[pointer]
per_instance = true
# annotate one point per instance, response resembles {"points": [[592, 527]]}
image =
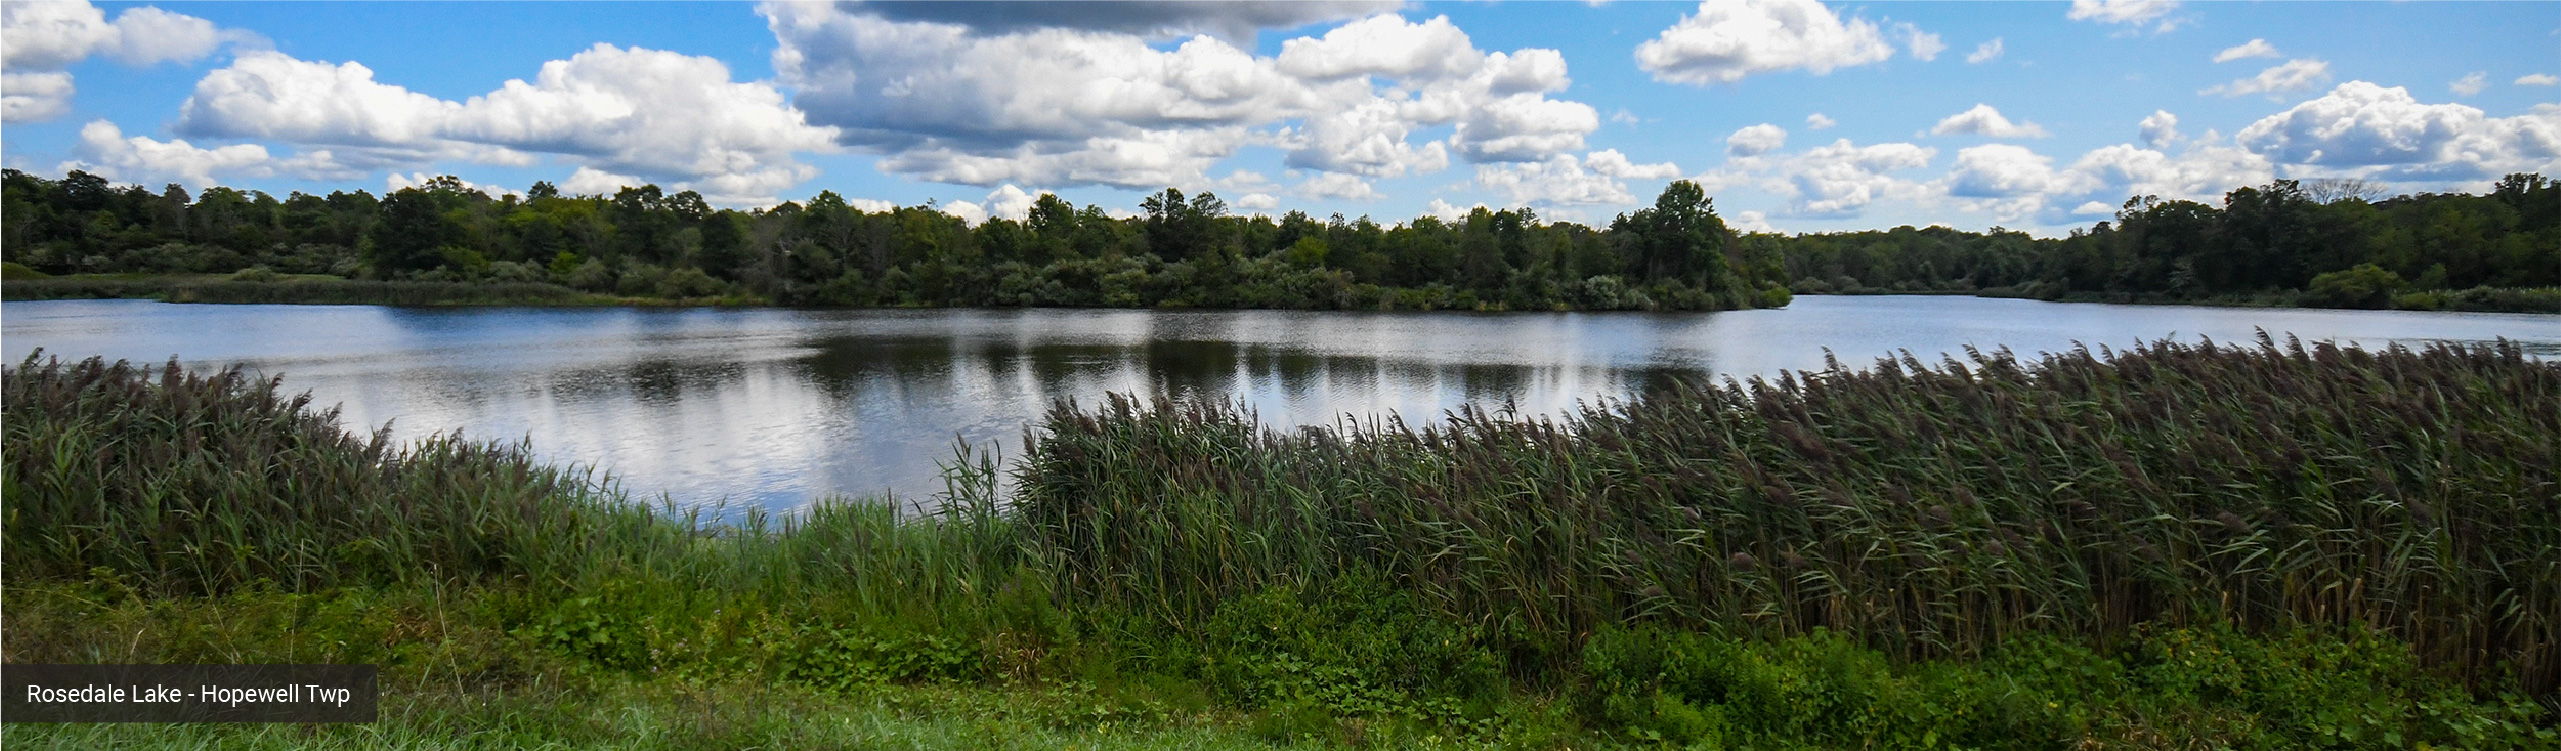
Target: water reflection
{"points": [[774, 408]]}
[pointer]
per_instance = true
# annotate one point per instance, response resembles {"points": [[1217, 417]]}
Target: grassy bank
{"points": [[2471, 300], [2253, 547], [317, 289]]}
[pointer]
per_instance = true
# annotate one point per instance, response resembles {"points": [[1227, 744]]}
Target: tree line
{"points": [[2287, 241], [2319, 244], [1182, 251]]}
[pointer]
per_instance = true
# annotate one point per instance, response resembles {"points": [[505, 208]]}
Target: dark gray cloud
{"points": [[1233, 21]]}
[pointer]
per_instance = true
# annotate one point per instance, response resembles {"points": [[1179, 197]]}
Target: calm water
{"points": [[779, 407]]}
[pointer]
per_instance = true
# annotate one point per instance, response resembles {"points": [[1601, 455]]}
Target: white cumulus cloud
{"points": [[43, 38], [2008, 181], [1338, 185], [969, 212], [1234, 22], [2125, 12], [1610, 162], [2160, 128], [53, 35], [1522, 127], [1560, 181], [2470, 84], [1010, 202], [1726, 41], [2249, 49], [2011, 182], [1755, 140], [653, 113], [1985, 52], [589, 181], [1005, 202], [2001, 170], [2203, 172], [1983, 120], [648, 114], [1383, 45], [2370, 130], [1062, 102], [34, 97], [2290, 77], [2293, 75], [105, 150], [1819, 121], [1925, 46], [2538, 79], [271, 95], [1840, 180]]}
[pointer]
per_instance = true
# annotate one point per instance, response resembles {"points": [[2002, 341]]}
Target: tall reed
{"points": [[1924, 510], [1927, 510], [198, 483]]}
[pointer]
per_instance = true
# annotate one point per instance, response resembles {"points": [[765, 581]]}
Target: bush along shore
{"points": [[2178, 546]]}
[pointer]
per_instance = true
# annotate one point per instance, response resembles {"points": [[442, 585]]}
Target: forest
{"points": [[2284, 243], [2312, 242]]}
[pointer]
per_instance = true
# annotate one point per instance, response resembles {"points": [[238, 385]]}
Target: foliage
{"points": [[2196, 686], [1356, 647], [1185, 251], [2267, 242], [2263, 239], [2366, 286]]}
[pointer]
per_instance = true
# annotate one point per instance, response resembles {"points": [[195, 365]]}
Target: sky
{"points": [[1796, 116]]}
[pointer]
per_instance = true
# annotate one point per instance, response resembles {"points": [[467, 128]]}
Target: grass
{"points": [[2173, 547], [678, 715]]}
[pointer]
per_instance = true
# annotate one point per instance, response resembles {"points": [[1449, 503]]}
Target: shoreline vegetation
{"points": [[2334, 244], [2177, 546], [256, 288]]}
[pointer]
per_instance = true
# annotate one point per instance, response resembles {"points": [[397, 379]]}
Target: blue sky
{"points": [[1797, 116]]}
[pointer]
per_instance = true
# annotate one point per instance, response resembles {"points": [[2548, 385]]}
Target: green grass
{"points": [[679, 715], [455, 676], [2174, 547]]}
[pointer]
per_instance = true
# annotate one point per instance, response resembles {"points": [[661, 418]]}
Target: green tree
{"points": [[413, 232], [1681, 237]]}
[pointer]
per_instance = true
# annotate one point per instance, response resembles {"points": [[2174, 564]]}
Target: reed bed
{"points": [[1929, 511], [186, 483], [1921, 511], [192, 483]]}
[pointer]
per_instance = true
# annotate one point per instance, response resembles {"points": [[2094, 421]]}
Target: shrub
{"points": [[2365, 286]]}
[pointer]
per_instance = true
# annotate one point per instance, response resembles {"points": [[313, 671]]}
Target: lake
{"points": [[775, 408]]}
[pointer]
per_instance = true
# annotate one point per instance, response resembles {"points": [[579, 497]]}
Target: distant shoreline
{"points": [[321, 289]]}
